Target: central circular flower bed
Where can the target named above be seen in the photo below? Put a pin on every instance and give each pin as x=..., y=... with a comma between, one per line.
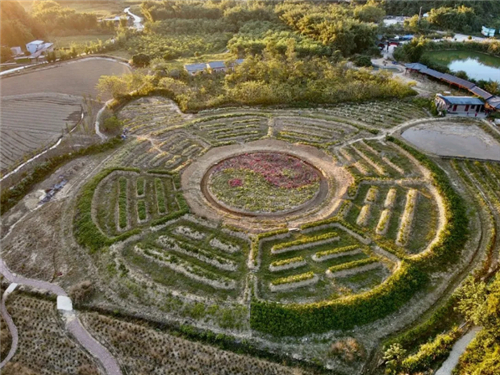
x=263, y=183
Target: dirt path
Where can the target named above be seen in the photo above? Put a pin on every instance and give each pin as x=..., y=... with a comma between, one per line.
x=456, y=352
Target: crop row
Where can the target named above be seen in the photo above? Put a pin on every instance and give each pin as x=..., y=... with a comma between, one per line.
x=474, y=186
x=407, y=219
x=205, y=256
x=186, y=268
x=304, y=243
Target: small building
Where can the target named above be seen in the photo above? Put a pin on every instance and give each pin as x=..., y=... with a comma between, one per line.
x=493, y=103
x=216, y=66
x=460, y=105
x=194, y=69
x=34, y=46
x=39, y=48
x=16, y=51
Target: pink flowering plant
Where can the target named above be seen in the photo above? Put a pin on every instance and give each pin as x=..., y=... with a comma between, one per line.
x=264, y=182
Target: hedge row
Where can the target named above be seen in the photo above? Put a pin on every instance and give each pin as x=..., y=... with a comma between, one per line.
x=353, y=264
x=304, y=241
x=341, y=314
x=86, y=231
x=10, y=197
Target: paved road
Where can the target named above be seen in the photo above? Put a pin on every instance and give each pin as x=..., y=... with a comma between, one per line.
x=73, y=324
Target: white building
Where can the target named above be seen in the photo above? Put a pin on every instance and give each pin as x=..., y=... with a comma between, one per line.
x=34, y=46
x=39, y=48
x=16, y=51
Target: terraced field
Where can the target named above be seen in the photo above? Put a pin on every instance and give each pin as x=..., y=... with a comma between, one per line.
x=37, y=107
x=31, y=122
x=189, y=256
x=77, y=77
x=126, y=200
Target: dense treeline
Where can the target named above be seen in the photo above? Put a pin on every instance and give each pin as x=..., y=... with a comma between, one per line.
x=409, y=8
x=271, y=78
x=47, y=17
x=17, y=27
x=54, y=18
x=254, y=36
x=349, y=29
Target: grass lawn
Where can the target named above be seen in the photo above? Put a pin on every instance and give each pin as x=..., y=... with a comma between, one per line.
x=67, y=41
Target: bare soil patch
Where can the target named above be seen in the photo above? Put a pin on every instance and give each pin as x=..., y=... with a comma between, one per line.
x=73, y=78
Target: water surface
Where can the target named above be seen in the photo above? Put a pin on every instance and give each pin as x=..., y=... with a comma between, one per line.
x=454, y=140
x=476, y=65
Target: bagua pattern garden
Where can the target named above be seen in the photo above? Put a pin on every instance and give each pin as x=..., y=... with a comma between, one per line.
x=159, y=250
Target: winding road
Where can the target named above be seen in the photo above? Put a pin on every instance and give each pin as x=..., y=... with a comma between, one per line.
x=73, y=324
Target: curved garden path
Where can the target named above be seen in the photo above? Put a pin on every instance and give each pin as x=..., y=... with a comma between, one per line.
x=10, y=324
x=73, y=324
x=457, y=350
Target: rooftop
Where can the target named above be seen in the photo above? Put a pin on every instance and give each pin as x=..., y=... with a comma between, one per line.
x=416, y=66
x=217, y=64
x=462, y=100
x=457, y=81
x=494, y=102
x=480, y=92
x=195, y=67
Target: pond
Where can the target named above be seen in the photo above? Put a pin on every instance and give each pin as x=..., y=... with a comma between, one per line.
x=476, y=65
x=448, y=139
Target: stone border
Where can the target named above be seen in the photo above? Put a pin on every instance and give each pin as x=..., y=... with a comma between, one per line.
x=211, y=197
x=337, y=181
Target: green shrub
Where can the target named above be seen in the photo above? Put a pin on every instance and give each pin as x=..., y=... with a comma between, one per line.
x=86, y=232
x=112, y=125
x=341, y=314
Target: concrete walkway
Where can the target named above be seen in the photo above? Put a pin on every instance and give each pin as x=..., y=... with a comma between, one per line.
x=10, y=324
x=65, y=306
x=457, y=351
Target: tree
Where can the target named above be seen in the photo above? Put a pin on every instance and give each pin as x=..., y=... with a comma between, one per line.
x=493, y=87
x=112, y=125
x=410, y=52
x=141, y=60
x=5, y=54
x=370, y=12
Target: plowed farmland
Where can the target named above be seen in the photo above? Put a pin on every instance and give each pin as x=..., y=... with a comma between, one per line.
x=37, y=107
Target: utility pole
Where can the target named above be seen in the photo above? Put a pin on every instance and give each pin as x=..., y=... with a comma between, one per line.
x=419, y=16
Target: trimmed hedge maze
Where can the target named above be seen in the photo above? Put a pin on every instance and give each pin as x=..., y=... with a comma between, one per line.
x=304, y=263
x=125, y=200
x=189, y=256
x=225, y=130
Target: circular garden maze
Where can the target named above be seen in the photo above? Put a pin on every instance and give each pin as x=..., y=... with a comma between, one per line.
x=295, y=222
